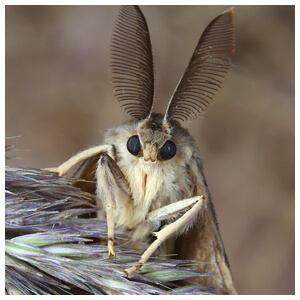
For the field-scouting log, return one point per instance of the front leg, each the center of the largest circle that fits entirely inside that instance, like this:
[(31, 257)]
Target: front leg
[(110, 179), (177, 227), (78, 158)]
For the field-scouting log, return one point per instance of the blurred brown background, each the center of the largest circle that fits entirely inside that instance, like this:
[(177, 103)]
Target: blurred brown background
[(59, 100)]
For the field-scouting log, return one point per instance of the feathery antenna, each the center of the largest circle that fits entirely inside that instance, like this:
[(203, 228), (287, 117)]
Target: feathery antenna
[(132, 63), (206, 71)]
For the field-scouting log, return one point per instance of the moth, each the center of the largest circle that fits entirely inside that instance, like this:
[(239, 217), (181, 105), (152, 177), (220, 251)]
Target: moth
[(148, 173)]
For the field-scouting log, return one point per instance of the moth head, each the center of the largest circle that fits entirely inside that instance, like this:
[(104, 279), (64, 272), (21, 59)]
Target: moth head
[(133, 80), (151, 141)]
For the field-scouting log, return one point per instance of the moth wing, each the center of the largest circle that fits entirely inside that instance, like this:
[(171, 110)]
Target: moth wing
[(203, 242), (85, 175)]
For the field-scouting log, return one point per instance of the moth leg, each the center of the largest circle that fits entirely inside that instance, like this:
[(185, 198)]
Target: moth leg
[(176, 227), (110, 180), (64, 168), (172, 209)]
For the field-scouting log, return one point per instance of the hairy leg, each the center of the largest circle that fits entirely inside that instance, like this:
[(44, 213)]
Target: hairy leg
[(177, 227)]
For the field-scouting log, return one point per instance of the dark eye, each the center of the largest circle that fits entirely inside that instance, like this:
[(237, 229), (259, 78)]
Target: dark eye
[(168, 150), (134, 145)]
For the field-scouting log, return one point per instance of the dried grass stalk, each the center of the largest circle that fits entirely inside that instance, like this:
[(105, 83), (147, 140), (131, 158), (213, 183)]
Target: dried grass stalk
[(52, 245)]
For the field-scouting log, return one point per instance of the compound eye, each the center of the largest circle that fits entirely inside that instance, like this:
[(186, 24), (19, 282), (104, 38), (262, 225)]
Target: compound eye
[(134, 145), (168, 150)]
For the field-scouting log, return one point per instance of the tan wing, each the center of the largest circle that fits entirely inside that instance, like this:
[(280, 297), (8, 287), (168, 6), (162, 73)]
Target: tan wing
[(85, 175), (203, 243)]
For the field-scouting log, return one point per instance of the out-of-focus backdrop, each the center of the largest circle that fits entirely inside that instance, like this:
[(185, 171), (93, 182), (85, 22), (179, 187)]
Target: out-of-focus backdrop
[(59, 101)]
